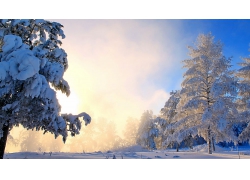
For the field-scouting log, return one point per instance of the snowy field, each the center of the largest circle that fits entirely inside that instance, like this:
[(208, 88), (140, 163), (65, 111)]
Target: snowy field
[(224, 163), (136, 152)]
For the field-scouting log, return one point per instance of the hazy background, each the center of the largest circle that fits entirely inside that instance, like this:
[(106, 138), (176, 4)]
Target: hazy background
[(119, 68)]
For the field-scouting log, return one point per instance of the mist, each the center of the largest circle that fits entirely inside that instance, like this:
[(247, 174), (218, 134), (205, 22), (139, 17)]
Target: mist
[(117, 70), (100, 135)]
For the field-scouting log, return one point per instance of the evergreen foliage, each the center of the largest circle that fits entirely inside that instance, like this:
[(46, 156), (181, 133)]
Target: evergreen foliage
[(31, 63)]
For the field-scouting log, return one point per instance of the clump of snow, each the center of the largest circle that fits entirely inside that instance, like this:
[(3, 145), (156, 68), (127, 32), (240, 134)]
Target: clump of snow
[(23, 64), (4, 67), (54, 71), (11, 43), (36, 86)]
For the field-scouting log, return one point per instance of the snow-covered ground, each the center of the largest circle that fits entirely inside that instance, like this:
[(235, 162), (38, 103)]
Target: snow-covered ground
[(130, 163), (137, 152)]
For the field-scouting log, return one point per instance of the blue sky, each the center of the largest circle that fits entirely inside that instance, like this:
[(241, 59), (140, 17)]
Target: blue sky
[(233, 33)]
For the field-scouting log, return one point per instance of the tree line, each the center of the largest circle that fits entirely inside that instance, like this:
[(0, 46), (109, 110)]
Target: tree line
[(212, 105), (100, 135)]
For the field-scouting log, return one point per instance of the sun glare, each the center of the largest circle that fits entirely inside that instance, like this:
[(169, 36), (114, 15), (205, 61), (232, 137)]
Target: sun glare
[(68, 104)]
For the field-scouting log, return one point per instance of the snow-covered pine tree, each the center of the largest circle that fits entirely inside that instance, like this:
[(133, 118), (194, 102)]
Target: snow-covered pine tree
[(244, 101), (168, 113), (207, 105), (147, 131), (31, 61)]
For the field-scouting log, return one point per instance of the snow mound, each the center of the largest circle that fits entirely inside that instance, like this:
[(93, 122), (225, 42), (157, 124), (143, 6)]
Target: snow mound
[(135, 148)]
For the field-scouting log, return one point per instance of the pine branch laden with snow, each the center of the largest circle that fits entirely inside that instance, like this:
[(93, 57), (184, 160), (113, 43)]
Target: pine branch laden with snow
[(31, 61), (208, 94)]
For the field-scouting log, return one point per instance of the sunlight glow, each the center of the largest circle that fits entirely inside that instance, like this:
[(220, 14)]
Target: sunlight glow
[(68, 104)]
